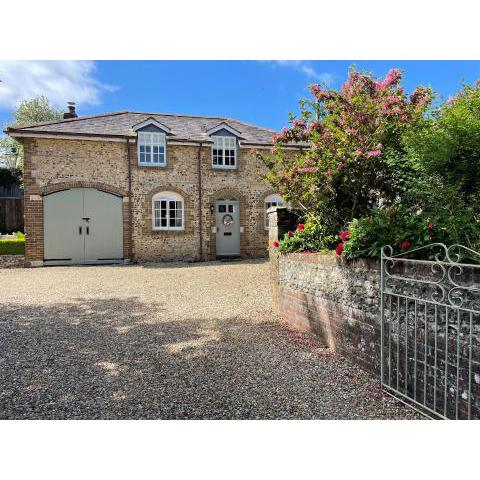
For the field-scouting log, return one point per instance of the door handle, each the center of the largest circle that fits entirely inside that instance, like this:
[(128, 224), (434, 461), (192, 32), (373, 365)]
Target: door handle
[(88, 230), (80, 230)]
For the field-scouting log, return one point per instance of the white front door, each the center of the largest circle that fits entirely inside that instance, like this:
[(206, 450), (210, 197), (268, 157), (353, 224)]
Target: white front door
[(227, 228)]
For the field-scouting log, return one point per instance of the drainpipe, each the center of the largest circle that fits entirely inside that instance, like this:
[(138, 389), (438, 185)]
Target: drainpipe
[(200, 220), (130, 200)]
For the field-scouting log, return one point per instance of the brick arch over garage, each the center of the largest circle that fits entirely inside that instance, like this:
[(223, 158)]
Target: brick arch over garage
[(56, 187), (233, 193), (34, 246)]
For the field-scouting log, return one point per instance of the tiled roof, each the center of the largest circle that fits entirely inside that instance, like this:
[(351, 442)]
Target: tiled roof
[(182, 127)]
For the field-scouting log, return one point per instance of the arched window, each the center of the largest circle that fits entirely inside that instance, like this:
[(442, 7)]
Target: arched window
[(272, 201), (167, 211)]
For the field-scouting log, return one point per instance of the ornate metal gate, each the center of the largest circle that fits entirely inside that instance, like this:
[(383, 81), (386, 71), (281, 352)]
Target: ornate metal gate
[(430, 329)]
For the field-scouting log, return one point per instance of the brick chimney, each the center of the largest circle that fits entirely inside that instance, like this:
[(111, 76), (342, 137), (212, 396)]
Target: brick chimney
[(71, 111)]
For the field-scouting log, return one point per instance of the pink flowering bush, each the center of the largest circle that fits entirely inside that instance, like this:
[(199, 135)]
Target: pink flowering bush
[(381, 166), (351, 135)]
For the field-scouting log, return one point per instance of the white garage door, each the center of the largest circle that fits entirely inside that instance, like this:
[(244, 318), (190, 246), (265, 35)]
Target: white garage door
[(81, 226)]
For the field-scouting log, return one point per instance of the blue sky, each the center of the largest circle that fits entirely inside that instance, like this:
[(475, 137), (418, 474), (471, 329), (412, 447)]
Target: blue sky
[(260, 92)]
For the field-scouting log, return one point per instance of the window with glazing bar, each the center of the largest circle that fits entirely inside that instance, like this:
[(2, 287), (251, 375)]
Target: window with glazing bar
[(224, 152), (151, 148), (167, 211)]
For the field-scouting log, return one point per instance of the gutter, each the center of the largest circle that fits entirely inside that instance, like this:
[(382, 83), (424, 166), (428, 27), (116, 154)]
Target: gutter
[(200, 187), (120, 138), (130, 200), (65, 136)]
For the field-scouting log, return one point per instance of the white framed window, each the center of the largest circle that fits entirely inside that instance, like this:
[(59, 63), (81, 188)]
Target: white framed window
[(224, 152), (167, 211), (152, 149), (272, 201)]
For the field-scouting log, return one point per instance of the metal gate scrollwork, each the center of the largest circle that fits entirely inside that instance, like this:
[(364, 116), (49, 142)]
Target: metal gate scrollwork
[(430, 329)]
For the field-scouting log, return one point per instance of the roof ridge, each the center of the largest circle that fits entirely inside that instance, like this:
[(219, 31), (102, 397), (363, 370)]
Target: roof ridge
[(252, 124), (179, 115), (65, 120), (203, 116), (126, 112)]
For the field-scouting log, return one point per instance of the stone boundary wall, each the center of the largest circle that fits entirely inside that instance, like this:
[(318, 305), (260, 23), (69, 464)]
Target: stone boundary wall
[(12, 261), (336, 299), (339, 301)]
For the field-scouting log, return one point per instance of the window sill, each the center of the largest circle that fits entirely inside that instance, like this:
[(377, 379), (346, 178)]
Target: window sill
[(168, 229), (152, 165), (217, 167)]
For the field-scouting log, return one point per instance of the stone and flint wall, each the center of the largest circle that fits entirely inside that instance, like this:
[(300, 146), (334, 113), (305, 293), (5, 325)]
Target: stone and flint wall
[(12, 261), (340, 300), (335, 299), (55, 164)]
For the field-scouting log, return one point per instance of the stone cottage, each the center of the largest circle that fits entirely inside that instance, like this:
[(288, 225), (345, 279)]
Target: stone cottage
[(144, 186)]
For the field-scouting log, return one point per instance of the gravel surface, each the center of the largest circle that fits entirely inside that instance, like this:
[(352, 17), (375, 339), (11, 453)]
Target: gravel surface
[(167, 341)]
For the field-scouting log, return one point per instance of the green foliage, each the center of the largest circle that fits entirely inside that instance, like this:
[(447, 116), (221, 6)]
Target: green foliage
[(36, 110), (9, 154), (13, 246), (355, 158), (449, 222), (9, 176), (385, 227), (448, 143), (313, 237), (401, 181)]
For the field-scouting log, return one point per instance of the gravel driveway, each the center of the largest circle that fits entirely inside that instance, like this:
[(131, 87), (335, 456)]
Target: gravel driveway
[(166, 341)]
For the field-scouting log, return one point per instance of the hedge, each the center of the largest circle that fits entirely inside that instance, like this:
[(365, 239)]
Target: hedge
[(12, 247)]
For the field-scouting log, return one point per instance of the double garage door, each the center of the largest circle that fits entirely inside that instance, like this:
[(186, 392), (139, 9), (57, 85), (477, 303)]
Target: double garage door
[(82, 226)]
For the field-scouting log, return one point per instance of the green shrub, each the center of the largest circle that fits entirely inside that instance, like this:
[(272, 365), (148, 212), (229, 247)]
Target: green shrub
[(404, 229), (385, 227), (383, 168), (308, 237), (14, 246)]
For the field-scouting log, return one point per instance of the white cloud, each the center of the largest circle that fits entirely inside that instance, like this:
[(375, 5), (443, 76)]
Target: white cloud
[(60, 81), (306, 67)]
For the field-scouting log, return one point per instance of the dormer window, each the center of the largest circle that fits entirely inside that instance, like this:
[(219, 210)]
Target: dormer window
[(224, 152), (151, 142), (151, 148)]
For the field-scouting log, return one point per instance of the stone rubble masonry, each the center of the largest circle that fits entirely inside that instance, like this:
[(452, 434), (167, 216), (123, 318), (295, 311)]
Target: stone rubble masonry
[(336, 299), (339, 301), (55, 164), (12, 261)]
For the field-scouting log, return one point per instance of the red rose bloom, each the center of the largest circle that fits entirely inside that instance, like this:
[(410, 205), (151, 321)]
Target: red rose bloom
[(300, 226), (339, 249), (430, 226), (344, 236), (290, 233), (275, 244), (405, 245)]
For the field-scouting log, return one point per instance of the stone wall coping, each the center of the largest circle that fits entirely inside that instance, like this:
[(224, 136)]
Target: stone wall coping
[(333, 259)]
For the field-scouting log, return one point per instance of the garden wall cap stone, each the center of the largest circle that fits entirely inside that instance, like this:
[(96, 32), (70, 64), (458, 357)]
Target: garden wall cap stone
[(333, 259)]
